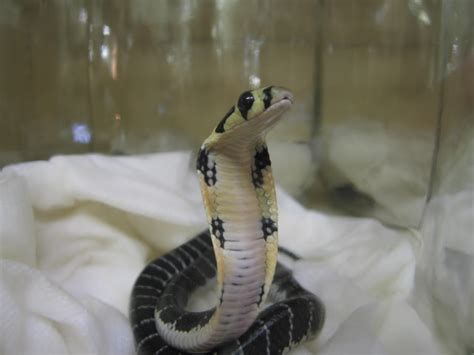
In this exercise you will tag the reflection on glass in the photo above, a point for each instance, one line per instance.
(81, 133)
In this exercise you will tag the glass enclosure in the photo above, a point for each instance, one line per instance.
(382, 125)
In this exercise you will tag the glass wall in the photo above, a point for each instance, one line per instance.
(148, 76)
(445, 272)
(145, 76)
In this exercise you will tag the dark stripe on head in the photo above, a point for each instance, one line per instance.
(220, 126)
(245, 103)
(267, 97)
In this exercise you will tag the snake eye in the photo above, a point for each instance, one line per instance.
(245, 103)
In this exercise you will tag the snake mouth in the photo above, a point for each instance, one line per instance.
(286, 96)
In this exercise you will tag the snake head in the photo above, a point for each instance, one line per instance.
(257, 110)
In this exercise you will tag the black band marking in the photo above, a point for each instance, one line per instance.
(217, 229)
(261, 161)
(207, 167)
(221, 297)
(269, 226)
(262, 292)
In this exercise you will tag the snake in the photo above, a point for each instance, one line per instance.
(260, 308)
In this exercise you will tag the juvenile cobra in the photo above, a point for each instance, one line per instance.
(240, 249)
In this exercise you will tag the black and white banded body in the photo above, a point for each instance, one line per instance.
(240, 250)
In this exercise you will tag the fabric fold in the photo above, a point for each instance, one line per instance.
(77, 230)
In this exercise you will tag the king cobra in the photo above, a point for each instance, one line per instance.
(239, 250)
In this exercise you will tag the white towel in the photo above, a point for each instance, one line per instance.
(76, 231)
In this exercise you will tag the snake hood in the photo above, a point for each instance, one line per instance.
(254, 114)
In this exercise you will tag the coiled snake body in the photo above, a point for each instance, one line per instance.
(240, 249)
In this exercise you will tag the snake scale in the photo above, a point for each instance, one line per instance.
(239, 250)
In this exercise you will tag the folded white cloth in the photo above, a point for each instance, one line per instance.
(76, 231)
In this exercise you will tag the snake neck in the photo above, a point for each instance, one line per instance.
(238, 192)
(239, 197)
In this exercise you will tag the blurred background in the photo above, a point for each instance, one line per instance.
(382, 124)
